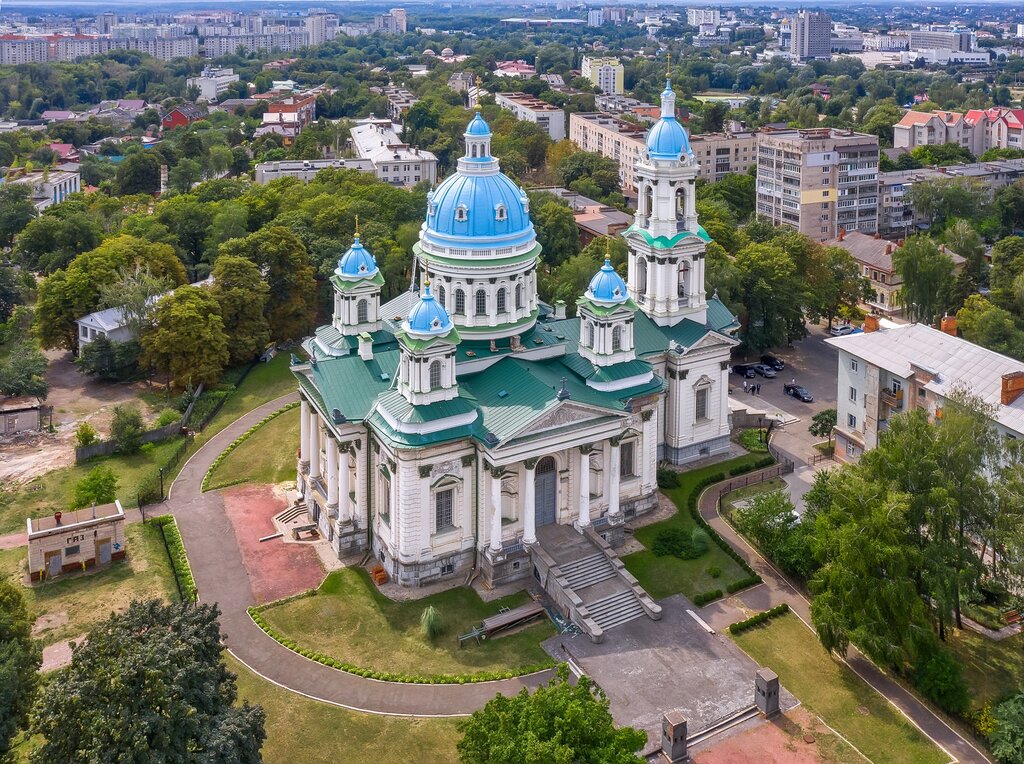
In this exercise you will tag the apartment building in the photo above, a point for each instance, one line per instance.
(610, 137)
(892, 368)
(400, 100)
(394, 161)
(18, 49)
(214, 47)
(212, 82)
(695, 17)
(924, 39)
(606, 73)
(722, 153)
(811, 35)
(620, 104)
(288, 117)
(919, 128)
(48, 187)
(307, 169)
(164, 48)
(529, 109)
(394, 21)
(818, 181)
(321, 27)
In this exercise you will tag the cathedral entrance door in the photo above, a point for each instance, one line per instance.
(545, 483)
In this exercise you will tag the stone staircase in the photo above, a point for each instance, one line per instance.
(616, 609)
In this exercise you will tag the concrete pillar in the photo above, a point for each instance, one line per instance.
(304, 434)
(613, 480)
(584, 520)
(529, 503)
(766, 692)
(673, 738)
(314, 445)
(495, 507)
(332, 473)
(344, 502)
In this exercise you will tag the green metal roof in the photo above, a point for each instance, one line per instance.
(352, 385)
(345, 285)
(397, 406)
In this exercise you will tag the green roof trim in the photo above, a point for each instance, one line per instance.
(524, 321)
(607, 310)
(344, 285)
(398, 407)
(664, 242)
(416, 344)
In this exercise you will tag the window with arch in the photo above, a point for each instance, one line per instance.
(641, 276)
(472, 151)
(500, 213)
(460, 302)
(502, 307)
(681, 200)
(435, 375)
(362, 311)
(684, 279)
(519, 296)
(461, 214)
(616, 338)
(588, 334)
(481, 302)
(441, 295)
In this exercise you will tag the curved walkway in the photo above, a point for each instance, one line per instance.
(777, 589)
(221, 578)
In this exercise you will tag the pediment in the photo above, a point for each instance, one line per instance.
(565, 414)
(712, 340)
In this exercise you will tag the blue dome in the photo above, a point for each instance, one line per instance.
(478, 126)
(428, 317)
(668, 139)
(478, 206)
(357, 262)
(607, 286)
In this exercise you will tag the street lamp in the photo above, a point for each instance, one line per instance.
(161, 483)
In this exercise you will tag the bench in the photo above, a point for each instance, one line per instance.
(300, 529)
(1012, 616)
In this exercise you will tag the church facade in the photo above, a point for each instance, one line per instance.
(443, 430)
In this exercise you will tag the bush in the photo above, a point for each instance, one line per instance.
(667, 478)
(126, 428)
(179, 560)
(678, 543)
(167, 416)
(940, 679)
(756, 620)
(85, 435)
(699, 541)
(714, 571)
(743, 583)
(431, 623)
(97, 487)
(1007, 738)
(754, 441)
(705, 597)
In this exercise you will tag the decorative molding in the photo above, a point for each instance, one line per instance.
(587, 448)
(724, 365)
(425, 470)
(496, 472)
(451, 467)
(561, 416)
(615, 440)
(531, 463)
(646, 415)
(467, 461)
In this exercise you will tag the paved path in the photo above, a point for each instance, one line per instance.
(221, 577)
(777, 589)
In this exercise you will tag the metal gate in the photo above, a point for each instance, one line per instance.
(53, 564)
(545, 484)
(103, 551)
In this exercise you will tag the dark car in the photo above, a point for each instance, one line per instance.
(774, 361)
(764, 370)
(799, 392)
(744, 370)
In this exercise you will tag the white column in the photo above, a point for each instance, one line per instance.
(344, 503)
(304, 434)
(332, 473)
(584, 488)
(314, 445)
(613, 481)
(495, 510)
(529, 503)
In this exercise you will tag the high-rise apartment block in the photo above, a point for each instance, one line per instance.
(811, 35)
(392, 22)
(606, 73)
(321, 27)
(924, 39)
(818, 181)
(697, 16)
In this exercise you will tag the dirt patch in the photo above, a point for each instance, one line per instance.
(795, 737)
(275, 569)
(58, 655)
(49, 621)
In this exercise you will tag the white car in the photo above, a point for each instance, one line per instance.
(841, 330)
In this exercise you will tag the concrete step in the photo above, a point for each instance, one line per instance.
(616, 609)
(587, 571)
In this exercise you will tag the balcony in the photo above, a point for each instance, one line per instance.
(892, 398)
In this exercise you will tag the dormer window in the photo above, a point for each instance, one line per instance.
(461, 214)
(500, 213)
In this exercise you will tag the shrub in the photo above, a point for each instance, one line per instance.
(699, 541)
(939, 678)
(743, 583)
(678, 543)
(754, 441)
(99, 486)
(714, 571)
(1008, 736)
(705, 597)
(126, 428)
(167, 416)
(667, 478)
(756, 620)
(85, 435)
(179, 560)
(431, 623)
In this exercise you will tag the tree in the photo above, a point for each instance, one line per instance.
(20, 659)
(736, 190)
(942, 154)
(53, 239)
(11, 295)
(184, 175)
(823, 425)
(1009, 204)
(927, 275)
(109, 361)
(99, 486)
(188, 343)
(135, 291)
(85, 435)
(23, 372)
(242, 295)
(148, 685)
(139, 173)
(556, 232)
(771, 293)
(836, 286)
(990, 326)
(16, 211)
(1007, 264)
(880, 120)
(944, 198)
(126, 428)
(962, 238)
(1007, 739)
(559, 722)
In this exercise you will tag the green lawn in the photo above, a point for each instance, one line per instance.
(731, 499)
(266, 456)
(303, 730)
(349, 620)
(53, 491)
(992, 669)
(75, 603)
(831, 690)
(664, 576)
(265, 382)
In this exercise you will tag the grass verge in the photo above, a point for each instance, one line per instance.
(266, 382)
(831, 690)
(993, 670)
(175, 547)
(261, 455)
(734, 498)
(348, 624)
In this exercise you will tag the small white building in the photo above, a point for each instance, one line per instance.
(306, 169)
(530, 109)
(394, 160)
(212, 82)
(23, 413)
(72, 541)
(49, 187)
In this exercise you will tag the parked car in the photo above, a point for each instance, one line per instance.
(744, 370)
(841, 330)
(774, 361)
(764, 370)
(799, 392)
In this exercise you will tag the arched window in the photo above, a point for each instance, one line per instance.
(441, 296)
(681, 200)
(461, 214)
(472, 151)
(481, 302)
(588, 334)
(500, 213)
(460, 302)
(684, 279)
(641, 276)
(519, 296)
(501, 300)
(435, 375)
(362, 311)
(616, 338)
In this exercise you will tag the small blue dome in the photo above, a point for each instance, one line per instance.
(478, 127)
(428, 317)
(668, 139)
(357, 262)
(607, 286)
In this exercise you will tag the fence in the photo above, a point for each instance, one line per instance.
(209, 415)
(107, 447)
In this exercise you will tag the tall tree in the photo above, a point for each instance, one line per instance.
(148, 685)
(961, 237)
(23, 372)
(927, 275)
(135, 291)
(20, 658)
(946, 198)
(556, 232)
(16, 211)
(242, 294)
(771, 293)
(139, 173)
(836, 286)
(188, 343)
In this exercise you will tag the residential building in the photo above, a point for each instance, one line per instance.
(164, 48)
(392, 22)
(307, 169)
(400, 100)
(288, 117)
(321, 27)
(811, 35)
(72, 541)
(518, 68)
(212, 82)
(48, 187)
(595, 17)
(620, 104)
(530, 109)
(394, 161)
(217, 46)
(18, 49)
(923, 39)
(719, 154)
(846, 39)
(606, 73)
(696, 17)
(610, 137)
(461, 82)
(919, 128)
(181, 116)
(818, 181)
(892, 368)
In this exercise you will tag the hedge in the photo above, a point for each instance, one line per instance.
(756, 620)
(239, 440)
(179, 559)
(743, 583)
(256, 613)
(705, 597)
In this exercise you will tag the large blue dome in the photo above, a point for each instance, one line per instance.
(357, 262)
(607, 286)
(428, 317)
(474, 206)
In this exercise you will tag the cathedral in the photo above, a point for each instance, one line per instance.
(455, 429)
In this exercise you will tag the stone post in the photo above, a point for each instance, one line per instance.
(304, 434)
(495, 545)
(673, 738)
(344, 502)
(584, 520)
(766, 692)
(529, 503)
(332, 474)
(314, 446)
(613, 479)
